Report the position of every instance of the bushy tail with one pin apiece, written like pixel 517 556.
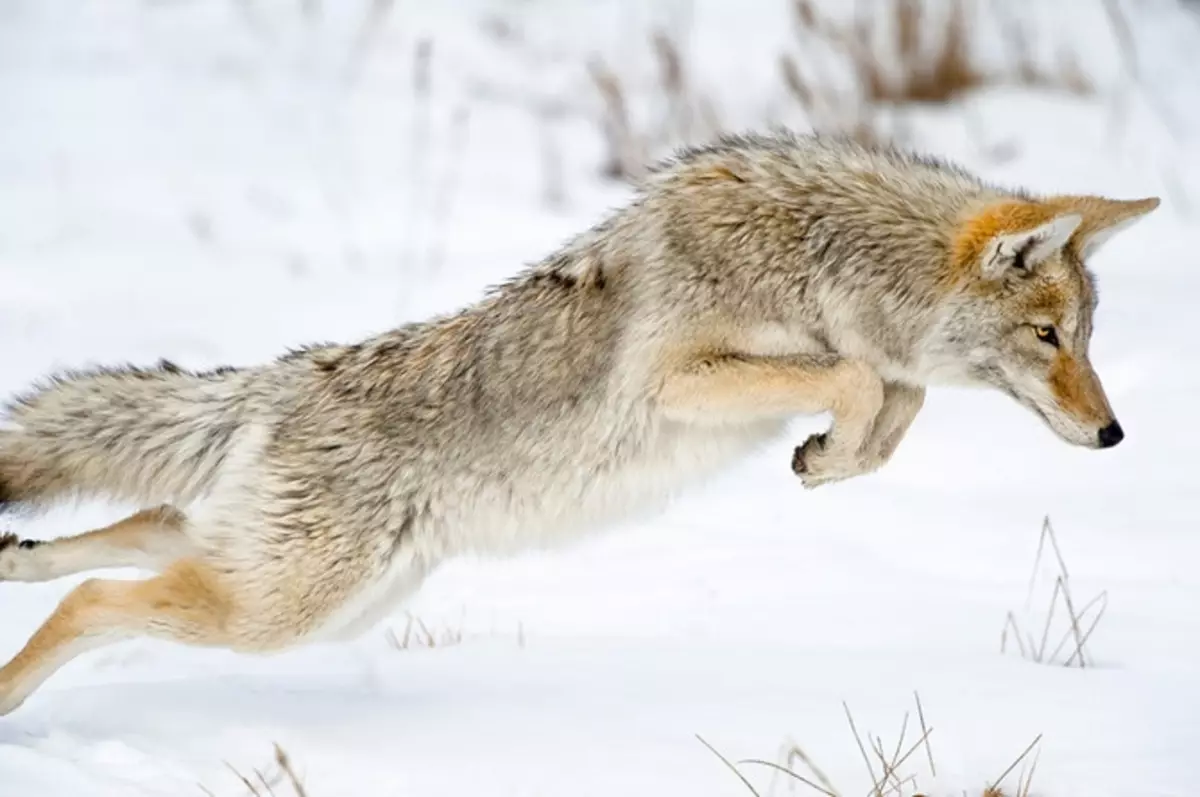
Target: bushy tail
pixel 148 435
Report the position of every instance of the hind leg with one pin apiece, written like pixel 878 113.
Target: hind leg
pixel 248 585
pixel 186 603
pixel 151 539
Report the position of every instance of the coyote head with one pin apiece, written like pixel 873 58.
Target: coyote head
pixel 1022 321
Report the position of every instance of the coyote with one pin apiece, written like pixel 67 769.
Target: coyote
pixel 749 281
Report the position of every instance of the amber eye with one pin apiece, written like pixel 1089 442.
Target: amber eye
pixel 1047 335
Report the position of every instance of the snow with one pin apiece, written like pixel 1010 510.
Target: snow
pixel 214 182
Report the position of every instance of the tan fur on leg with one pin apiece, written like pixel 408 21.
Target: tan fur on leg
pixel 151 539
pixel 742 388
pixel 184 604
pixel 901 403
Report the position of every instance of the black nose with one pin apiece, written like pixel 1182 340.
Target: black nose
pixel 1111 435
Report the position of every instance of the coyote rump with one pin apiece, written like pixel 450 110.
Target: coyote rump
pixel 749 281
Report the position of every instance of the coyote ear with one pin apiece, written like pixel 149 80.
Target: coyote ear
pixel 1026 248
pixel 1104 218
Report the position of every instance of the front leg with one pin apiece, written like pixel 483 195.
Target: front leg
pixel 744 388
pixel 901 403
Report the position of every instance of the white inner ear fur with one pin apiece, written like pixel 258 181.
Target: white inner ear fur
pixel 1038 243
pixel 1090 244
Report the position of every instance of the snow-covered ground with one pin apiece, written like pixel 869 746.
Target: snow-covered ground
pixel 215 181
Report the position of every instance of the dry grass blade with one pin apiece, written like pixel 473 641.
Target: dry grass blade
pixel 796 752
pixel 898 788
pixel 796 85
pixel 727 763
pixel 263 780
pixel 1011 622
pixel 790 773
pixel 285 765
pixel 1066 592
pixel 888 772
pixel 1058 585
pixel 1023 790
pixel 890 765
pixel 1037 561
pixel 905 757
pixel 908 30
pixel 995 787
pixel 429 640
pixel 952 72
pixel 1079 651
pixel 681 111
pixel 408 630
pixel 1049 533
pixel 925 734
pixel 670 64
pixel 245 780
pixel 805 15
pixel 866 758
pixel 900 741
pixel 618 132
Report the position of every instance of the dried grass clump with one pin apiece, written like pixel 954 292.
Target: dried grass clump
pixel 889 61
pixel 1079 621
pixel 686 114
pixel 418 635
pixel 264 784
pixel 849 75
pixel 626 150
pixel 902 53
pixel 887 772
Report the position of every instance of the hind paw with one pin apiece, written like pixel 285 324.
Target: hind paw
pixel 10 540
pixel 11 548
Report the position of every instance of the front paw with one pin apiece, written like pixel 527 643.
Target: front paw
pixel 814 463
pixel 805 454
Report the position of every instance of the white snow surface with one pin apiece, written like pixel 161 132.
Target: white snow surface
pixel 213 182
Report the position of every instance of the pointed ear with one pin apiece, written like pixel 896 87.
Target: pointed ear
pixel 1103 218
pixel 1026 248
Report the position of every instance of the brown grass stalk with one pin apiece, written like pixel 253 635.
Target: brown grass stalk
pixel 1079 630
pixel 894 779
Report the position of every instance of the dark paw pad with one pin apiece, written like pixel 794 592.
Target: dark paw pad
pixel 800 456
pixel 799 466
pixel 10 540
